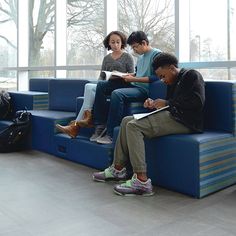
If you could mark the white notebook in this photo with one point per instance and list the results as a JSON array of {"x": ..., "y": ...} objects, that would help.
[
  {"x": 142, "y": 115},
  {"x": 113, "y": 74}
]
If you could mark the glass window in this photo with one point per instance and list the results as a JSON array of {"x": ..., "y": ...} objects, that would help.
[
  {"x": 87, "y": 74},
  {"x": 214, "y": 73},
  {"x": 8, "y": 80},
  {"x": 8, "y": 33},
  {"x": 209, "y": 42},
  {"x": 41, "y": 74},
  {"x": 233, "y": 73},
  {"x": 41, "y": 32},
  {"x": 207, "y": 30},
  {"x": 154, "y": 17},
  {"x": 85, "y": 32},
  {"x": 232, "y": 12}
]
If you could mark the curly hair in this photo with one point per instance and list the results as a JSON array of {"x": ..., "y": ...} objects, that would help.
[{"x": 120, "y": 34}]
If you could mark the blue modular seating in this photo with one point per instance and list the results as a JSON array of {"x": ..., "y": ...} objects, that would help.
[
  {"x": 193, "y": 164},
  {"x": 36, "y": 98},
  {"x": 4, "y": 124},
  {"x": 62, "y": 94},
  {"x": 30, "y": 100},
  {"x": 199, "y": 164},
  {"x": 39, "y": 84}
]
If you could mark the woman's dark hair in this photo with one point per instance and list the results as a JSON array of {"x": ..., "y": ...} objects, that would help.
[
  {"x": 137, "y": 37},
  {"x": 120, "y": 34},
  {"x": 164, "y": 59}
]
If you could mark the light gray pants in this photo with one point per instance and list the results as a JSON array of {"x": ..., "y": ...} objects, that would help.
[
  {"x": 130, "y": 143},
  {"x": 89, "y": 97}
]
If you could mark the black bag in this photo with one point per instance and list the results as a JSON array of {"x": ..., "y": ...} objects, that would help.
[
  {"x": 15, "y": 136},
  {"x": 5, "y": 105}
]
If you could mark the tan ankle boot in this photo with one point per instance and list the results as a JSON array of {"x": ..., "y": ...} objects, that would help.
[
  {"x": 87, "y": 120},
  {"x": 72, "y": 129}
]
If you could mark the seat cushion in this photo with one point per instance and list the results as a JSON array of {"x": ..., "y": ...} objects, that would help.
[{"x": 63, "y": 93}]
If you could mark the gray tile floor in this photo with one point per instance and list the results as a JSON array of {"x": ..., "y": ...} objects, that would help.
[{"x": 41, "y": 195}]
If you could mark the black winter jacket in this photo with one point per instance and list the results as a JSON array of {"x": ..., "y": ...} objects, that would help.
[{"x": 186, "y": 98}]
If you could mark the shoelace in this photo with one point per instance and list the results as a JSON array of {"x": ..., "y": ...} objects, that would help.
[{"x": 103, "y": 132}]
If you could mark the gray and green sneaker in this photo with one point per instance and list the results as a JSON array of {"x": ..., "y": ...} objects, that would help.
[
  {"x": 110, "y": 174},
  {"x": 134, "y": 187}
]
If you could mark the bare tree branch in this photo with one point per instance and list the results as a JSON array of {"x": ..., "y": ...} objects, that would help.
[
  {"x": 154, "y": 17},
  {"x": 5, "y": 11},
  {"x": 5, "y": 21},
  {"x": 8, "y": 41},
  {"x": 85, "y": 22}
]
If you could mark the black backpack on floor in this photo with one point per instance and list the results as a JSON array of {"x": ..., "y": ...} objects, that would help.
[{"x": 15, "y": 136}]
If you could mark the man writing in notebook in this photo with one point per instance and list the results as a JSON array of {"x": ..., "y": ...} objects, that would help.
[{"x": 185, "y": 98}]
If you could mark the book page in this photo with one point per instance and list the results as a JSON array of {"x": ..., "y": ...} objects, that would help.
[
  {"x": 113, "y": 74},
  {"x": 142, "y": 115},
  {"x": 107, "y": 74},
  {"x": 118, "y": 73}
]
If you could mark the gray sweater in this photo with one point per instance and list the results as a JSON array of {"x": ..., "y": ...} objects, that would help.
[{"x": 125, "y": 64}]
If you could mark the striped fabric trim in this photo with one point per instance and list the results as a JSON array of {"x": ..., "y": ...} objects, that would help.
[
  {"x": 218, "y": 186},
  {"x": 40, "y": 102},
  {"x": 217, "y": 165},
  {"x": 135, "y": 107},
  {"x": 218, "y": 160}
]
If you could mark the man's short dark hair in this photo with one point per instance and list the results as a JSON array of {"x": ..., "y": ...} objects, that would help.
[
  {"x": 120, "y": 34},
  {"x": 137, "y": 37},
  {"x": 164, "y": 59}
]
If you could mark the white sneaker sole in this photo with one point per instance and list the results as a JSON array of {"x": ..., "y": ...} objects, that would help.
[
  {"x": 133, "y": 194},
  {"x": 95, "y": 139},
  {"x": 109, "y": 180}
]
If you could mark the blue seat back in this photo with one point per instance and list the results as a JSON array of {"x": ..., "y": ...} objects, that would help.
[
  {"x": 219, "y": 111},
  {"x": 157, "y": 90},
  {"x": 220, "y": 104},
  {"x": 39, "y": 84},
  {"x": 63, "y": 93}
]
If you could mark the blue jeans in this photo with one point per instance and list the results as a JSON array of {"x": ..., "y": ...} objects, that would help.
[{"x": 120, "y": 93}]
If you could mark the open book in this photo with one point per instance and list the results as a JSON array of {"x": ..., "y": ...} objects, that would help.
[
  {"x": 113, "y": 74},
  {"x": 142, "y": 115}
]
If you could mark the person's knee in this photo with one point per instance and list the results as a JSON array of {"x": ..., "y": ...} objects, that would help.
[
  {"x": 101, "y": 85},
  {"x": 90, "y": 86},
  {"x": 117, "y": 95},
  {"x": 132, "y": 124},
  {"x": 125, "y": 120}
]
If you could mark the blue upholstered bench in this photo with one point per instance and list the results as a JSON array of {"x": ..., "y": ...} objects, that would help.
[
  {"x": 198, "y": 164},
  {"x": 39, "y": 84},
  {"x": 83, "y": 151},
  {"x": 4, "y": 124},
  {"x": 36, "y": 98},
  {"x": 61, "y": 109},
  {"x": 193, "y": 164}
]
